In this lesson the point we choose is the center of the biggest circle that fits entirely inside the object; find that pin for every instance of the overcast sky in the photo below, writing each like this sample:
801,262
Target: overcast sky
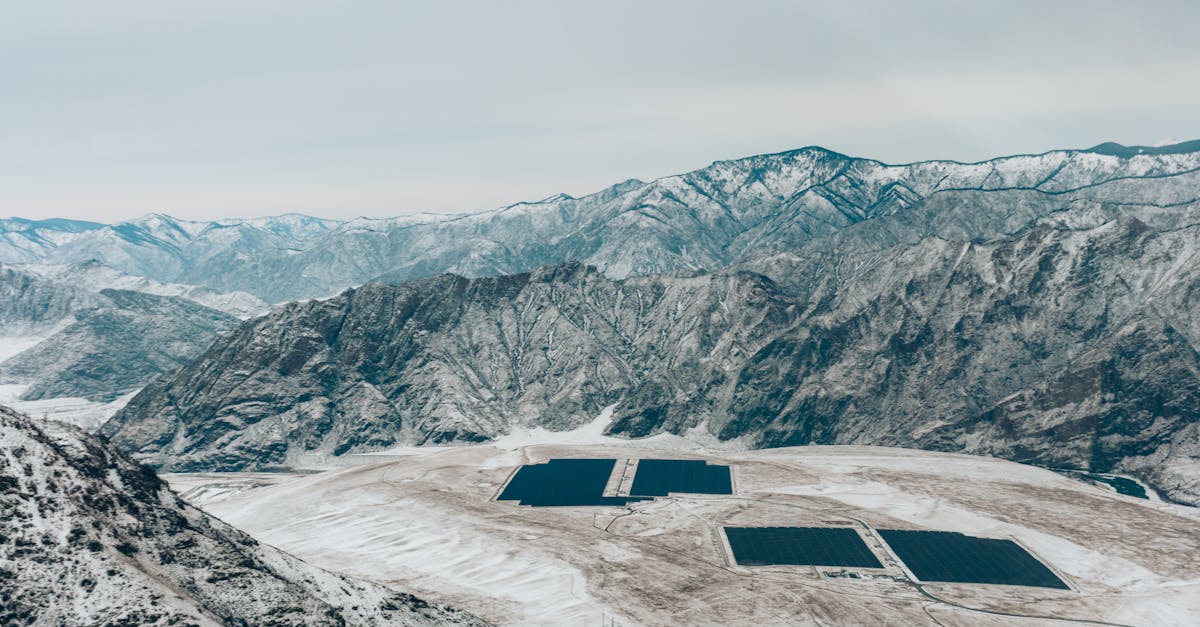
207,109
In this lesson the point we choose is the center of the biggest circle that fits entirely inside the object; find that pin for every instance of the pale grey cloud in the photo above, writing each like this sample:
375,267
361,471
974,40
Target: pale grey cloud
207,109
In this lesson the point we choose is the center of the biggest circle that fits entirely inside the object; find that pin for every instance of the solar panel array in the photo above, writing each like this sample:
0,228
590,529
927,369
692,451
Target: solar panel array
659,477
941,556
581,482
953,557
804,546
563,482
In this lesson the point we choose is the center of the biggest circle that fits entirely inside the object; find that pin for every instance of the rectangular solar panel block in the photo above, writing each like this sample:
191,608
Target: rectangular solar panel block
801,546
660,477
563,482
947,556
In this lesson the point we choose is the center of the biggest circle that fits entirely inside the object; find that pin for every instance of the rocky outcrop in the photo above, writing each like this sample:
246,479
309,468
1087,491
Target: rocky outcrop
89,537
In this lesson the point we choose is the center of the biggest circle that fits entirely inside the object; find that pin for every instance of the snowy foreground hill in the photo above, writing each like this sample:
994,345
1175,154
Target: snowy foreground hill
87,537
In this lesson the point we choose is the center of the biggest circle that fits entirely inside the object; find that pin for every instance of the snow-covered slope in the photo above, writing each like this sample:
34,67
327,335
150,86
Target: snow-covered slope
24,240
94,276
89,537
85,334
116,348
155,246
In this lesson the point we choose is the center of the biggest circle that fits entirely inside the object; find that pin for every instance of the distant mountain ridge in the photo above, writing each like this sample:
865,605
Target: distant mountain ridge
99,334
726,213
1115,149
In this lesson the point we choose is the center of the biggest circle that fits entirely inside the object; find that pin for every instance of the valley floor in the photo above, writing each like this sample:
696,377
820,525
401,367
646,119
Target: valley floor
427,521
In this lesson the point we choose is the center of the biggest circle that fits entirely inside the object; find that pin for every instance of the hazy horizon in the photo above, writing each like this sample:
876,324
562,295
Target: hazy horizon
224,110
500,204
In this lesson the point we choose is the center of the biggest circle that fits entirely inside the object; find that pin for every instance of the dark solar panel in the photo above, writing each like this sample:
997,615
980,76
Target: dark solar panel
659,477
806,546
954,557
562,482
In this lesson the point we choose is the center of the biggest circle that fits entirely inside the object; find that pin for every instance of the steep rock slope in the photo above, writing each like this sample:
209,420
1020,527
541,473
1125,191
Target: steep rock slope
1059,345
450,359
31,305
94,342
89,537
116,348
708,219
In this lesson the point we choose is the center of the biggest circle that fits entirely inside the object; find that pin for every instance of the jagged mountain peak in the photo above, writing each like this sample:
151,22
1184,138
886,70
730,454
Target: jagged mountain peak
791,154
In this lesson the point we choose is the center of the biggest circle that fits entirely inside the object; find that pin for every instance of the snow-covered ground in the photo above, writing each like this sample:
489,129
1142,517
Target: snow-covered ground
11,346
89,415
426,520
411,547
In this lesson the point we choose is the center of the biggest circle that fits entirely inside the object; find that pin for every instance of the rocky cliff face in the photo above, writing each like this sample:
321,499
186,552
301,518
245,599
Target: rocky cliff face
727,213
89,537
1060,347
1068,344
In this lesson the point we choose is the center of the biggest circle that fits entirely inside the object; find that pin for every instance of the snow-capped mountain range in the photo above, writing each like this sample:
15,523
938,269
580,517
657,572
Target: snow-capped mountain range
726,213
1062,347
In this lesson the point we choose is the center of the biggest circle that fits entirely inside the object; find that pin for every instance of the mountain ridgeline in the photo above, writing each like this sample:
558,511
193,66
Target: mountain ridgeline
1039,308
727,213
